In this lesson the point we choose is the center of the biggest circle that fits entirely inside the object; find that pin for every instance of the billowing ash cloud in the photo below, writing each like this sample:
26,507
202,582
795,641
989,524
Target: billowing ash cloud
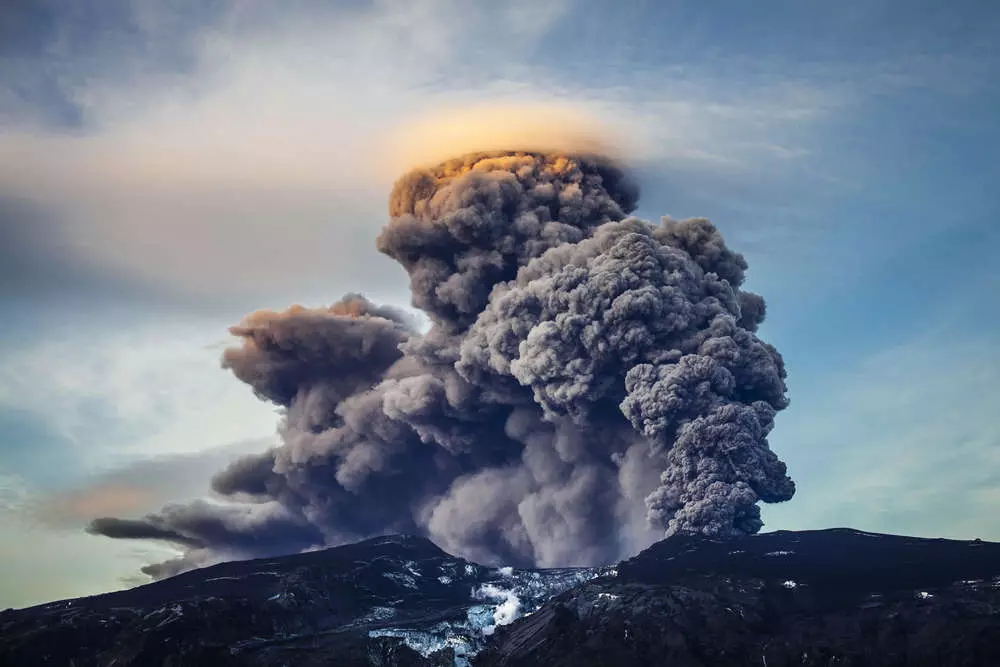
590,382
470,223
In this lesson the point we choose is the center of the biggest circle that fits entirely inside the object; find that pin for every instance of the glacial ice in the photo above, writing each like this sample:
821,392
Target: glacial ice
497,603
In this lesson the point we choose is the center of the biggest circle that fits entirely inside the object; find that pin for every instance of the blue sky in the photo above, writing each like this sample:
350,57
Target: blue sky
170,166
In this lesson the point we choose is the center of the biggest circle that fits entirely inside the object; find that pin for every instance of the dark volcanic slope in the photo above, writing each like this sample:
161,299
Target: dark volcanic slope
839,562
359,604
833,597
214,615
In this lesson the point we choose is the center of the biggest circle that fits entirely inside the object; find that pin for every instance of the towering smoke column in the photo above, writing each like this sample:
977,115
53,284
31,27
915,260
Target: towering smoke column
590,382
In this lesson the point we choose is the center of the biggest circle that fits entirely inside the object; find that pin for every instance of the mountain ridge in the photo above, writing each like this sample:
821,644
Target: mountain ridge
829,596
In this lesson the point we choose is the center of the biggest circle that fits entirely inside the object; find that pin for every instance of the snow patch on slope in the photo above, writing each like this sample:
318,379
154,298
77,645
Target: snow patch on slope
514,594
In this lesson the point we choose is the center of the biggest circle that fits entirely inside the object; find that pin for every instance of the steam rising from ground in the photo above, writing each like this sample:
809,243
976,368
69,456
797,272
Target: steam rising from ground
590,382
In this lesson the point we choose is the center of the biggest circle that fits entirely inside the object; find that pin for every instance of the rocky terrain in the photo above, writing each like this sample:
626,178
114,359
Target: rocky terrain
833,597
395,600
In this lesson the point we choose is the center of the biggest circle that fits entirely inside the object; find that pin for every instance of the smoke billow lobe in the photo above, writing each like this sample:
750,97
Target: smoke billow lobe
590,381
464,226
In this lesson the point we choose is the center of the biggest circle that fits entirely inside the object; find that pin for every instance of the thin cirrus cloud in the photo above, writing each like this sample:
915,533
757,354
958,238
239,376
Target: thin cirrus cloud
900,445
134,413
138,487
261,166
148,389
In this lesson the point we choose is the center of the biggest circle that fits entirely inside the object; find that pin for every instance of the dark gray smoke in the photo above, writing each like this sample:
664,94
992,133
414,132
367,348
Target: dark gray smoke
589,383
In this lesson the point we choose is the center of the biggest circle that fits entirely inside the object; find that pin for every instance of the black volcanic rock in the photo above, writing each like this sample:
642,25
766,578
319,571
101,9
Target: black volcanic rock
307,605
361,604
833,597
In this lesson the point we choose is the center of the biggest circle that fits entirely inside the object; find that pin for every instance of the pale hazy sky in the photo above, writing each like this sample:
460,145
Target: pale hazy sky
165,169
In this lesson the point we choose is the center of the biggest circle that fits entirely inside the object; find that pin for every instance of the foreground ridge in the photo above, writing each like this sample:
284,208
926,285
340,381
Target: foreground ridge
824,597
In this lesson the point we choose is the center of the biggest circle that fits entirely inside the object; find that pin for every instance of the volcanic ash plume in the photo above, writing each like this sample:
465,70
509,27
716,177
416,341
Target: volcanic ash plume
590,382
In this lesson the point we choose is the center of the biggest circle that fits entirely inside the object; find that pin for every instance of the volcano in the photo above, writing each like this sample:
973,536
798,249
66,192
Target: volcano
825,597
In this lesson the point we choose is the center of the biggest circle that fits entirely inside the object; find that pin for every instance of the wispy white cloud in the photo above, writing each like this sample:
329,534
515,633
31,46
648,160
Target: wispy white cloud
140,391
53,557
41,564
263,168
906,440
13,492
135,488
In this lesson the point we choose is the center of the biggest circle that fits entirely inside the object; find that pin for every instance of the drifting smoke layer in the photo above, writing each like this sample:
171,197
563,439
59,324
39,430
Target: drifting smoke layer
589,382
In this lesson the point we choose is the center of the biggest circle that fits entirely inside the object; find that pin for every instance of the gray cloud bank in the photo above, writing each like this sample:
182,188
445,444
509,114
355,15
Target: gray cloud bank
589,382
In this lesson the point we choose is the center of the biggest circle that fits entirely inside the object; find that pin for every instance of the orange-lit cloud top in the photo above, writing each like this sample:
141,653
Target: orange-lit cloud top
433,137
